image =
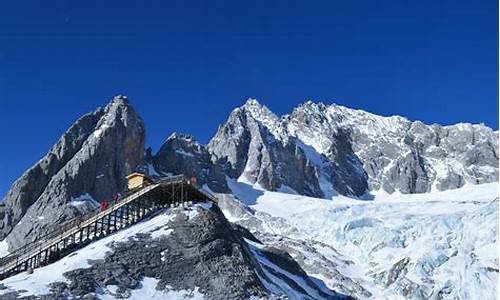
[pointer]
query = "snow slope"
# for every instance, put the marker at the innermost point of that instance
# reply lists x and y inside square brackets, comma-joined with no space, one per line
[38,282]
[420,246]
[106,268]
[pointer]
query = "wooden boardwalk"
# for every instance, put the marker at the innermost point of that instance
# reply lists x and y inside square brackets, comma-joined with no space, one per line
[170,191]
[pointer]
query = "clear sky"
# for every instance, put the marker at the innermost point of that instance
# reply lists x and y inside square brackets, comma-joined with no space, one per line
[186,64]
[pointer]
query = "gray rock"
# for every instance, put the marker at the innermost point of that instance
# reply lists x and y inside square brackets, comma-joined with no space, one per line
[397,271]
[252,150]
[92,157]
[320,150]
[182,154]
[26,190]
[317,150]
[202,252]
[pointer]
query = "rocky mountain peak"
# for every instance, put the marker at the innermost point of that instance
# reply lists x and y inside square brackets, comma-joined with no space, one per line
[261,113]
[318,150]
[183,154]
[120,100]
[182,143]
[354,151]
[252,102]
[182,136]
[312,106]
[88,163]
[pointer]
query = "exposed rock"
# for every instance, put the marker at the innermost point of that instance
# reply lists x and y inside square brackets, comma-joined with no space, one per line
[200,251]
[92,158]
[321,150]
[182,154]
[26,190]
[257,154]
[398,270]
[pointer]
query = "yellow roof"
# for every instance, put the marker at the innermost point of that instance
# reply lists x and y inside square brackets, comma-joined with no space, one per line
[135,174]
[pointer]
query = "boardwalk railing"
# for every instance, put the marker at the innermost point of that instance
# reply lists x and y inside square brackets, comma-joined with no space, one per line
[95,224]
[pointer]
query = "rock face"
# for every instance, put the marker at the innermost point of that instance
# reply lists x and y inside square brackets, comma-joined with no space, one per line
[202,252]
[182,154]
[254,151]
[317,150]
[321,150]
[90,161]
[180,249]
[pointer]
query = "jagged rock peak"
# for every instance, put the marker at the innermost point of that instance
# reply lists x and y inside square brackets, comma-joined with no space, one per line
[182,143]
[346,145]
[120,100]
[183,154]
[252,102]
[182,136]
[309,104]
[90,160]
[258,111]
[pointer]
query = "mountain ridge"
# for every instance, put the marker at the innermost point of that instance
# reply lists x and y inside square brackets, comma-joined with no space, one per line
[317,150]
[327,128]
[97,152]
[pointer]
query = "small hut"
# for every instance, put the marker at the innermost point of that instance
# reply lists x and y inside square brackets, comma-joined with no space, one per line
[138,180]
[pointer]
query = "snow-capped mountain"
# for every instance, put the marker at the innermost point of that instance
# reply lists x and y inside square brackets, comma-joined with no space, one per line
[323,150]
[429,232]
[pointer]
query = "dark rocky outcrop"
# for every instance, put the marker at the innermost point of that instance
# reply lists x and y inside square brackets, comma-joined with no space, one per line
[201,251]
[182,154]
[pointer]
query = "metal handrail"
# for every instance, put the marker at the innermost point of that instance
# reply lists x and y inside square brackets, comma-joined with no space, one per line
[66,229]
[71,224]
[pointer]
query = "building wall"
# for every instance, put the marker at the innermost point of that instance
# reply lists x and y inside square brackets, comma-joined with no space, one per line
[135,182]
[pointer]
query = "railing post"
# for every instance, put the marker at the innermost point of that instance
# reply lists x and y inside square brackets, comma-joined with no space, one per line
[109,223]
[65,235]
[95,228]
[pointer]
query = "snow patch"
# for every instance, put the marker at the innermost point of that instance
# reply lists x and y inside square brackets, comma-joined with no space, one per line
[182,152]
[148,291]
[37,283]
[4,248]
[98,132]
[205,205]
[82,199]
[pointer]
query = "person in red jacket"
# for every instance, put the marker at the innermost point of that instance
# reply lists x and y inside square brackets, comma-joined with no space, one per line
[104,205]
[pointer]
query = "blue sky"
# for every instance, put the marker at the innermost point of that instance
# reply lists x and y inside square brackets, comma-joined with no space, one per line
[186,64]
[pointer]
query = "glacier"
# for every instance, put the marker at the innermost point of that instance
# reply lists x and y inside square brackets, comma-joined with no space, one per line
[438,245]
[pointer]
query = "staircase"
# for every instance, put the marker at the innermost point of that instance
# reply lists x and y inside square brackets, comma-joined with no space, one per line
[166,192]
